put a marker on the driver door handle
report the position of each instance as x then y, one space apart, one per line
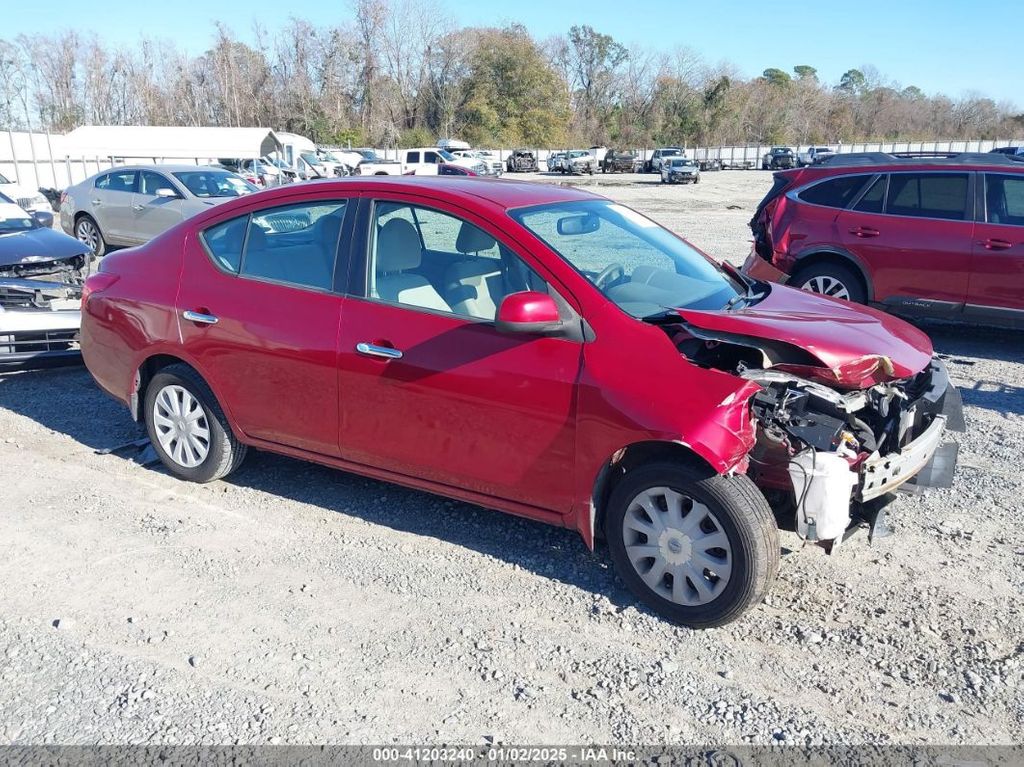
137 207
199 317
994 243
372 350
864 231
97 202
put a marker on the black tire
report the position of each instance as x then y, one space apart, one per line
99 245
844 275
742 513
225 454
696 179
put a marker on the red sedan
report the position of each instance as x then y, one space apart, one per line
530 348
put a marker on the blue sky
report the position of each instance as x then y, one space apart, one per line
949 46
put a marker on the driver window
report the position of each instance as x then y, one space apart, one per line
151 183
424 258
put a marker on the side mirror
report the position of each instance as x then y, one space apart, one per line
528 312
166 191
44 218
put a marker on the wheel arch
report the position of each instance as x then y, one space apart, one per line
624 460
839 257
163 358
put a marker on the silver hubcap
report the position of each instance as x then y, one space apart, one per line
87 233
677 546
181 426
827 286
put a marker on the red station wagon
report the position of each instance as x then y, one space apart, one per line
920 237
529 348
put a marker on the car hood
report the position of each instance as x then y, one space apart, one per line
856 346
38 245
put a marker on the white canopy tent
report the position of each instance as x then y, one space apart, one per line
158 144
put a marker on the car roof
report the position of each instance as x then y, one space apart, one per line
923 160
504 193
160 167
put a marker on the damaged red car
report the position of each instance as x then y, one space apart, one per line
533 349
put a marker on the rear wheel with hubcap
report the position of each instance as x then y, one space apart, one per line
833 280
699 549
187 427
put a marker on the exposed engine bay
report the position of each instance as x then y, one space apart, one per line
831 443
39 284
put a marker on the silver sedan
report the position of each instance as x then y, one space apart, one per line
131 205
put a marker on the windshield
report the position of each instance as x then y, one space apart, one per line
211 183
3 179
641 267
679 162
670 152
448 156
368 154
14 219
310 157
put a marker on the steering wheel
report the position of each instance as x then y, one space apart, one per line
605 276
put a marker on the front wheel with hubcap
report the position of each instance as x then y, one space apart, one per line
697 548
187 427
88 231
831 280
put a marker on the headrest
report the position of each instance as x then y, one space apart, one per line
398 246
471 239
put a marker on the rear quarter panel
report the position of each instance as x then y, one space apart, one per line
134 317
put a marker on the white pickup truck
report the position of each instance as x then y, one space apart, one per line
813 155
421 161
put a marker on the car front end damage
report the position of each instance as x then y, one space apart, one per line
834 433
40 312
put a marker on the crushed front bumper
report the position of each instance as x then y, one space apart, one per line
926 461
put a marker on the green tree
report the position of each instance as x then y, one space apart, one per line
805 72
515 97
777 77
852 82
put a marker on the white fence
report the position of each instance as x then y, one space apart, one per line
39 159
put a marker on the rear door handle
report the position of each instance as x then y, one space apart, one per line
199 317
994 244
864 231
138 207
372 350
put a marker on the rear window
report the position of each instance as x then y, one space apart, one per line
835 192
928 195
224 241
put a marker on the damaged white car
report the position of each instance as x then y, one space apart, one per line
42 273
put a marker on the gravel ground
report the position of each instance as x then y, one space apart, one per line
297 604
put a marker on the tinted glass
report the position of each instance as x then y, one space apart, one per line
431 157
834 193
150 183
428 259
413 157
928 195
635 263
296 244
214 183
119 181
224 242
1004 199
874 197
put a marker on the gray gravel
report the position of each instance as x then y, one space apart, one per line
296 604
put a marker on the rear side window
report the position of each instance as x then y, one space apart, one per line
874 198
835 192
928 195
118 181
224 242
297 244
1004 199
